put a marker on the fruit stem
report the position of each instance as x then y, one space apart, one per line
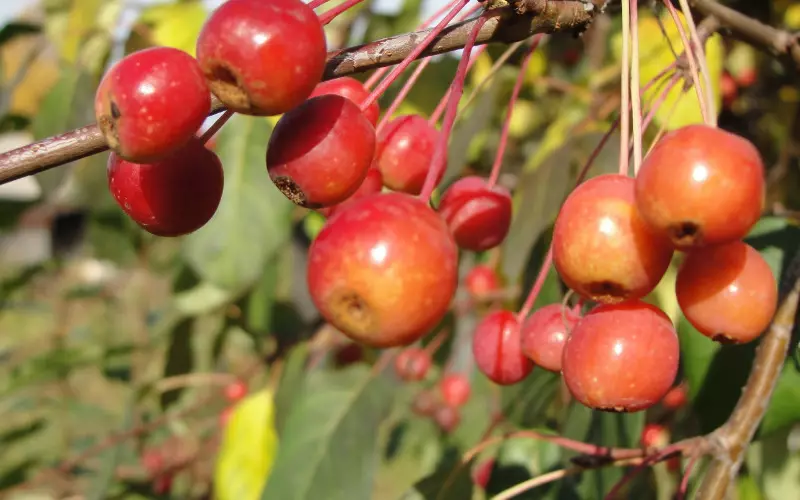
330 15
412 56
317 3
437 113
636 88
501 147
701 59
690 56
214 128
496 67
656 105
663 128
437 341
687 474
409 84
378 74
625 89
455 93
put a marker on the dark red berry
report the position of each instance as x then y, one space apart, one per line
497 347
447 418
404 152
319 153
383 269
621 357
482 473
173 196
727 292
544 334
351 89
151 103
235 391
602 248
478 217
455 389
481 280
412 364
372 184
701 185
262 57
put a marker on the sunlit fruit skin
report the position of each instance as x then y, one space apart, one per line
412 364
727 292
455 389
151 103
602 248
319 152
544 334
497 348
351 89
481 280
372 184
171 197
478 217
262 57
621 357
700 186
383 270
404 152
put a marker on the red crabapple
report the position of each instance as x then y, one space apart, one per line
727 292
372 184
404 151
497 348
383 269
655 436
455 389
701 185
544 334
675 398
481 280
262 57
447 418
319 152
478 217
235 391
602 248
151 103
424 404
171 197
352 89
621 357
482 473
412 364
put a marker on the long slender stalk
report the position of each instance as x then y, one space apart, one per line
625 91
635 86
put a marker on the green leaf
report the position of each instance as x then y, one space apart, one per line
329 444
201 299
450 481
525 403
248 449
252 221
290 386
180 359
520 459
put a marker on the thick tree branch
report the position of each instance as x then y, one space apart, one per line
503 25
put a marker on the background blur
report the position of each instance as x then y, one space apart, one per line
119 350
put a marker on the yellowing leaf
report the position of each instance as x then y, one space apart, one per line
536 67
481 68
175 25
791 19
525 119
81 22
679 108
248 449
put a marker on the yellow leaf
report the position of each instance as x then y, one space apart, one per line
481 69
248 449
81 22
791 19
526 118
175 25
537 67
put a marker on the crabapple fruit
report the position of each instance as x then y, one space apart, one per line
404 151
481 280
544 334
151 103
455 389
352 89
621 357
497 348
372 184
701 185
412 364
727 292
602 248
383 269
235 391
319 153
478 217
173 196
447 418
262 57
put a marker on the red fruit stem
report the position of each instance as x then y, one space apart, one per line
437 341
501 147
687 474
409 84
625 90
690 56
214 128
699 43
437 113
317 3
456 91
635 87
412 56
330 15
657 103
647 462
378 74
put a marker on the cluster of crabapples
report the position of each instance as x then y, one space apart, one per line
383 269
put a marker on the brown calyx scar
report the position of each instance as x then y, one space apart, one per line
685 233
291 190
351 312
108 125
225 85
